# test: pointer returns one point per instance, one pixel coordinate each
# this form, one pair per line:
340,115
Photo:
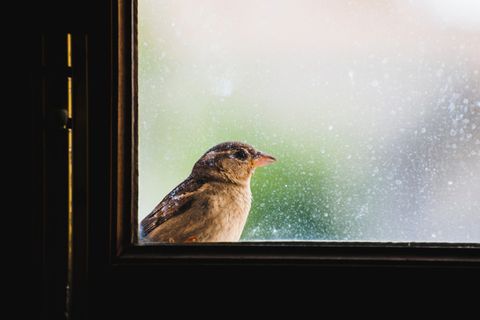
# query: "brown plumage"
213,203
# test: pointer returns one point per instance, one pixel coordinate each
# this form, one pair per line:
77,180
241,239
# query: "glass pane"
372,109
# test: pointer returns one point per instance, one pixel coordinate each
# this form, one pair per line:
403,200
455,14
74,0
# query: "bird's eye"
240,154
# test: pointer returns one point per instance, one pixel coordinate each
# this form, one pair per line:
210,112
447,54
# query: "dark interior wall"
41,53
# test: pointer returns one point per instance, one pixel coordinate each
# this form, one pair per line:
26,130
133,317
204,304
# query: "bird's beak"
262,159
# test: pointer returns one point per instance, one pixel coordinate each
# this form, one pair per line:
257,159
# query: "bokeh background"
371,106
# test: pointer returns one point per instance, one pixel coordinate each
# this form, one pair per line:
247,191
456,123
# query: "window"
105,257
372,109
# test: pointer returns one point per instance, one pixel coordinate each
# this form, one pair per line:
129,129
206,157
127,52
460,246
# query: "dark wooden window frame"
122,190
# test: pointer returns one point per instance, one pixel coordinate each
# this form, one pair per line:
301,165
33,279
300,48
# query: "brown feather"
176,202
213,203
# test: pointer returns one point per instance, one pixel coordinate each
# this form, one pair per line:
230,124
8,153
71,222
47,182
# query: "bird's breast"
229,210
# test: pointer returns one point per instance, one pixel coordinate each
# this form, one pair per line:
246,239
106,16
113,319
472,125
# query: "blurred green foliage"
183,112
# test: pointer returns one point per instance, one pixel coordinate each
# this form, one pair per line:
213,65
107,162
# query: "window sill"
325,253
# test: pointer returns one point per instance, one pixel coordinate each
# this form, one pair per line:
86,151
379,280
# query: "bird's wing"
176,202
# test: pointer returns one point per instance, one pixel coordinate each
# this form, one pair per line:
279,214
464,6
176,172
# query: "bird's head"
232,162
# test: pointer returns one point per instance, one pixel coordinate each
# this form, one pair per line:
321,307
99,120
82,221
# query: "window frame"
123,195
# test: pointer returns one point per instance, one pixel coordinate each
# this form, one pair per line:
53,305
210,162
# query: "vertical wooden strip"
70,182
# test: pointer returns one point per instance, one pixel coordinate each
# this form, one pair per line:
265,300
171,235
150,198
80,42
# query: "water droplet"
423,130
450,183
453,132
398,182
451,107
330,128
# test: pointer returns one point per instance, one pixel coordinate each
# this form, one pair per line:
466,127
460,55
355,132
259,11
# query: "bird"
212,204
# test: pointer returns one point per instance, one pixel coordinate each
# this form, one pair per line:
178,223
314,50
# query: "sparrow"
213,203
